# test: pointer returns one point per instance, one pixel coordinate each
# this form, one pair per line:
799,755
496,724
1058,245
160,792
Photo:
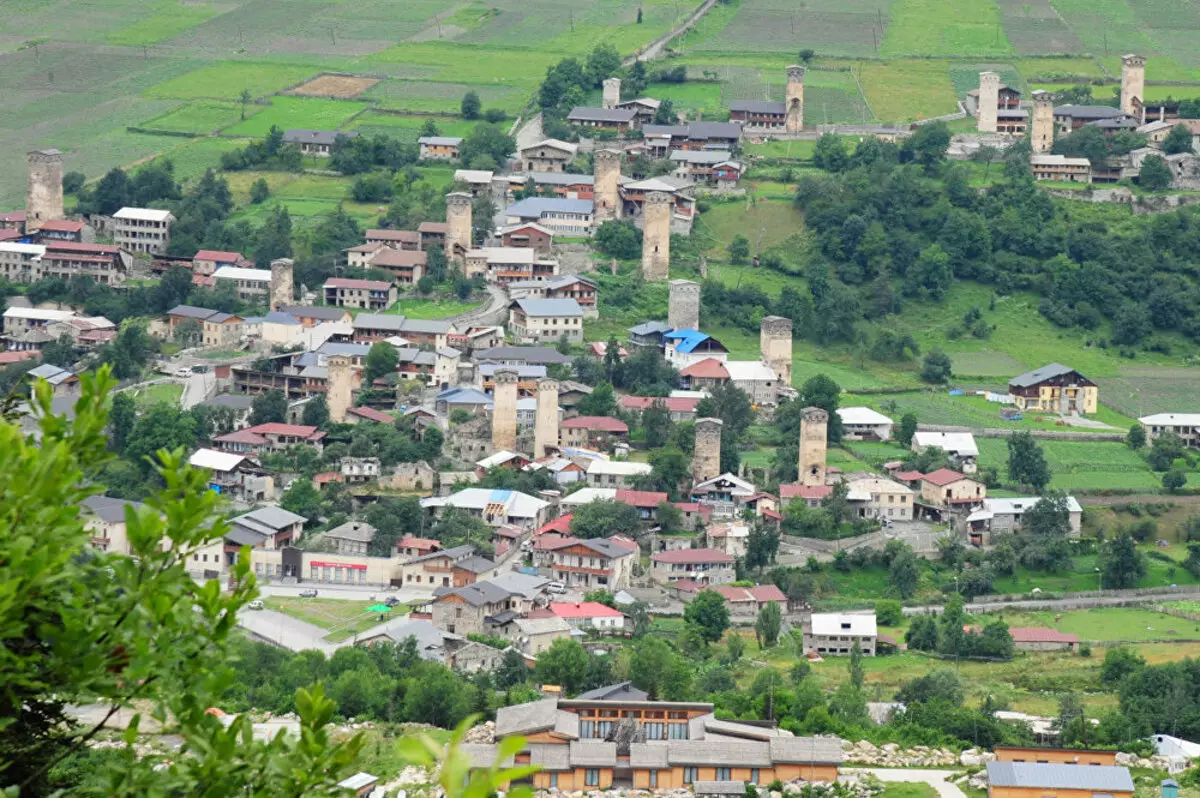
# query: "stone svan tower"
814,426
706,454
611,97
44,200
793,100
683,306
458,224
656,236
281,283
1042,127
606,169
545,429
339,387
775,347
504,410
1133,84
989,101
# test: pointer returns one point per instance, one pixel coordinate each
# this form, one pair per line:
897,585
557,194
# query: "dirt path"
655,48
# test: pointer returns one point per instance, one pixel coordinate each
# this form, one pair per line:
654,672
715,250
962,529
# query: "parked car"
183,372
556,587
391,601
310,593
255,605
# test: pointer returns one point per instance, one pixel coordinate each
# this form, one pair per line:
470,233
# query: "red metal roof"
587,609
641,498
366,285
597,423
371,414
399,258
62,226
675,404
708,368
218,255
560,524
73,246
16,356
12,216
692,556
242,436
424,544
794,491
410,236
9,233
325,477
908,476
943,476
1040,634
297,430
433,227
553,541
758,593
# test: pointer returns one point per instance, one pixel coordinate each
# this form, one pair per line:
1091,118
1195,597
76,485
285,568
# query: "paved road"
344,592
1189,591
937,779
197,388
286,631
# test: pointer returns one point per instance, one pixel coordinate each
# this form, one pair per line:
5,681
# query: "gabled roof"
942,477
362,285
303,136
586,609
688,340
440,141
370,414
537,207
269,519
597,423
957,443
1035,634
709,368
544,355
795,491
1085,778
674,404
214,460
758,106
1040,375
544,308
617,115
862,416
692,557
556,144
384,234
378,321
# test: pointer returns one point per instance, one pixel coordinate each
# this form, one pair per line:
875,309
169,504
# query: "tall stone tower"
504,410
814,424
606,168
281,283
683,306
793,100
45,198
339,387
989,101
545,429
458,223
706,454
1133,84
775,346
656,236
1042,129
612,93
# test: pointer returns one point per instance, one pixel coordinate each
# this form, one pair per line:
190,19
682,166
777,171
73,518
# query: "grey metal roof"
353,350
475,564
593,753
758,106
702,752
803,750
719,787
190,312
478,594
1087,111
279,317
586,114
353,530
430,639
527,718
621,691
665,130
440,141
648,755
378,321
273,518
1095,778
650,328
108,509
464,396
526,371
544,355
699,156
433,326
1040,375
237,401
607,548
550,307
303,136
245,536
714,130
536,207
311,312
549,756
456,553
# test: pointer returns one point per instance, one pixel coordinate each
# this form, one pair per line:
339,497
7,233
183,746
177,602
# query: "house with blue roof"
472,400
684,347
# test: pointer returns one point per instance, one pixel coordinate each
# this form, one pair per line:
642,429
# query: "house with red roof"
749,600
270,437
592,431
1035,638
589,615
357,415
706,373
945,491
708,566
62,230
693,511
207,261
679,408
416,547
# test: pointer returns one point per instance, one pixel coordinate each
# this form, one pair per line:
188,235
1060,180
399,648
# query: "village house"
105,520
410,546
707,566
882,499
478,181
565,185
836,633
406,267
266,527
759,116
1004,516
351,538
864,424
1186,426
684,347
748,601
1069,118
439,148
65,230
529,235
396,239
1037,780
563,217
594,432
270,437
105,264
545,320
240,477
250,285
494,507
568,286
343,292
960,446
731,537
1054,388
315,143
589,615
679,408
615,473
619,119
1061,756
728,494
1047,166
206,261
594,563
432,233
442,567
661,139
142,229
700,166
946,491
474,608
548,155
532,636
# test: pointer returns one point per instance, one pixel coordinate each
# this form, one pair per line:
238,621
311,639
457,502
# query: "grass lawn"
426,308
905,91
786,150
201,116
767,222
1083,578
342,618
159,21
945,27
298,112
938,407
895,789
163,393
1082,465
225,80
1108,624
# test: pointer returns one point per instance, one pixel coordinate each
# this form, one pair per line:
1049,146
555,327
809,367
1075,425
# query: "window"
587,729
604,728
654,731
553,781
654,778
723,774
678,731
690,775
754,775
592,777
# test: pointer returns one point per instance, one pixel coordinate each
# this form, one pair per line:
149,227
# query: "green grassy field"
343,619
431,308
227,80
298,112
945,27
201,116
163,393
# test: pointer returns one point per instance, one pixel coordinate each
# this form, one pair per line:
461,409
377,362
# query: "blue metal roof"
500,495
688,339
536,207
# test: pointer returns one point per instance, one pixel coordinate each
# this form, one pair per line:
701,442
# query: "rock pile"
865,787
1134,761
483,733
864,752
